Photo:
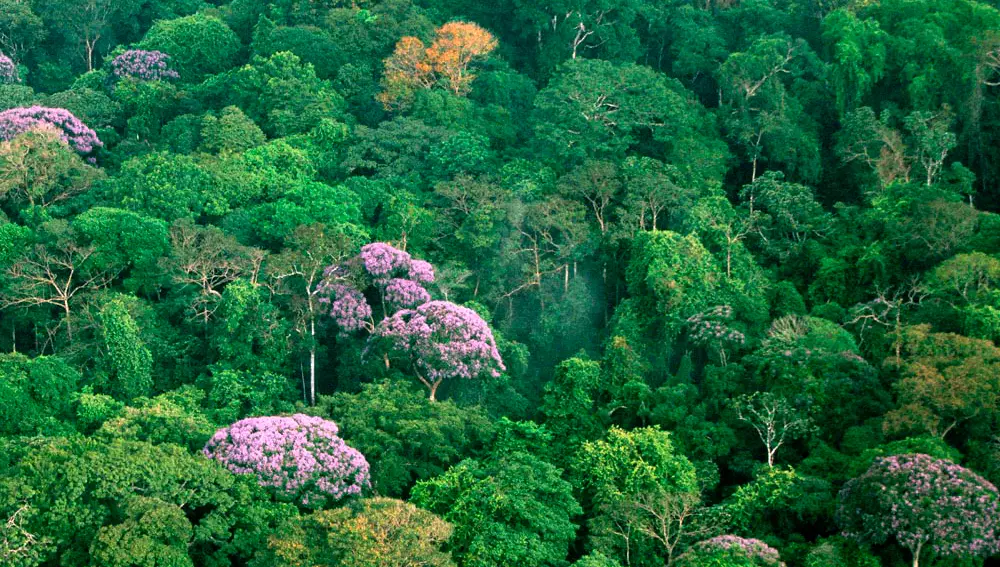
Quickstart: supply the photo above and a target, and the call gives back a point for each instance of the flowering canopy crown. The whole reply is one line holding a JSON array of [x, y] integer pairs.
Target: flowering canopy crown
[[299, 457], [16, 121], [143, 65]]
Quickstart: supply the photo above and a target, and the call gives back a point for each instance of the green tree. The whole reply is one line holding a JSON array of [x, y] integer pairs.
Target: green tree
[[511, 509], [374, 532], [415, 439], [231, 131], [126, 360], [199, 45], [629, 479], [35, 394]]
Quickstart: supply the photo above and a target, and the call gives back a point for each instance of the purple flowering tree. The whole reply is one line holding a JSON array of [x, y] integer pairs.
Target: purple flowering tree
[[15, 121], [730, 551], [8, 71], [143, 65], [300, 457], [710, 329], [441, 340], [438, 340], [924, 503]]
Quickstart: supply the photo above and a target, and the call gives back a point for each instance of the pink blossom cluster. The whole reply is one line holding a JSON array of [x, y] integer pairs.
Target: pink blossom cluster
[[421, 271], [348, 307], [143, 65], [16, 121], [8, 71], [383, 269], [405, 294], [922, 502], [710, 327], [381, 261], [443, 340], [300, 457], [753, 551]]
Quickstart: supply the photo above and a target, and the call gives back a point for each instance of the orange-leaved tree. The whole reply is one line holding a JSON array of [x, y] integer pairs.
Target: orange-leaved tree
[[446, 63]]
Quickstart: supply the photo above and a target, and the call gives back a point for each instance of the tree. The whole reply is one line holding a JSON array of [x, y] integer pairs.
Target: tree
[[511, 509], [763, 117], [35, 394], [672, 277], [374, 532], [967, 277], [299, 457], [446, 63], [16, 121], [38, 168], [414, 439], [206, 259], [774, 419], [231, 131], [73, 493], [859, 56], [931, 140], [456, 46], [298, 272], [442, 340], [558, 30], [280, 93], [200, 45], [86, 23], [143, 65], [153, 532], [597, 184], [929, 506], [596, 109], [630, 478], [9, 74], [569, 404], [127, 361], [54, 271], [730, 551], [21, 30], [946, 379], [438, 340], [167, 186]]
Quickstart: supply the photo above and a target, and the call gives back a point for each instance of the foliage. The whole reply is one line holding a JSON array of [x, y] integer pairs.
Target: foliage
[[510, 509], [730, 550], [16, 121], [300, 457], [375, 532], [664, 271], [143, 65], [922, 501]]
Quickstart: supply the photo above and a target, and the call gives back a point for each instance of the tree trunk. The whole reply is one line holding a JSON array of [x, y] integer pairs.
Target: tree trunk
[[312, 364], [434, 388], [916, 555], [69, 324]]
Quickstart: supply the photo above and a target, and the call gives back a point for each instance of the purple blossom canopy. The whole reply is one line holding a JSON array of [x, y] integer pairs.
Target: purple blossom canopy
[[421, 271], [8, 71], [406, 294], [443, 340], [143, 65], [348, 307], [739, 550], [16, 121], [381, 260], [922, 502], [300, 457]]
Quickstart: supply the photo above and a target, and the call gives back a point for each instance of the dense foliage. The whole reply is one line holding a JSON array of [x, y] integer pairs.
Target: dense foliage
[[592, 283]]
